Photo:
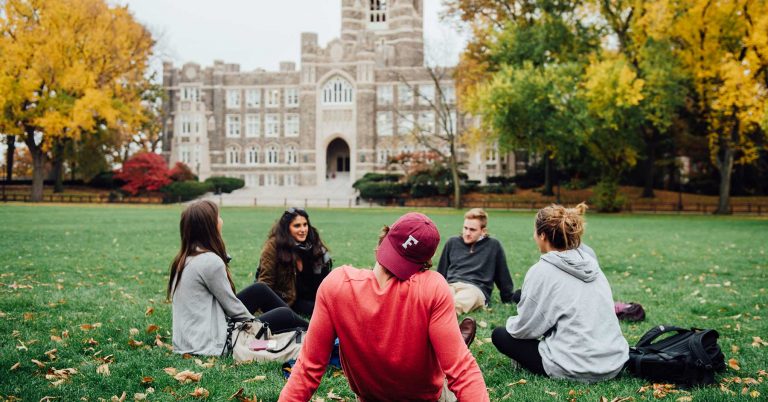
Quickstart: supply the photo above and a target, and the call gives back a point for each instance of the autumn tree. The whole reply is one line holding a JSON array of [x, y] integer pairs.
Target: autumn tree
[[69, 67], [145, 172]]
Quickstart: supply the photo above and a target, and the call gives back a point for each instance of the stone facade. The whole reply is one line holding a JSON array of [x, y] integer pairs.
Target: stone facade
[[349, 107]]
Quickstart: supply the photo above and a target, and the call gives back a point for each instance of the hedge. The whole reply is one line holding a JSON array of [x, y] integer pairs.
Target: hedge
[[225, 184]]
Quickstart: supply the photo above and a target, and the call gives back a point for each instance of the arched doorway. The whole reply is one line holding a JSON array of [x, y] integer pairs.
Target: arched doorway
[[337, 159]]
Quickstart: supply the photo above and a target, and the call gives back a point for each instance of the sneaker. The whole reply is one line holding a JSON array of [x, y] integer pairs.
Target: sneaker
[[468, 328]]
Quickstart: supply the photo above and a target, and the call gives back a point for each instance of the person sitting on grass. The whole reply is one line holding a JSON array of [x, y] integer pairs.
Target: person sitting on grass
[[565, 325], [201, 288], [396, 325], [293, 262]]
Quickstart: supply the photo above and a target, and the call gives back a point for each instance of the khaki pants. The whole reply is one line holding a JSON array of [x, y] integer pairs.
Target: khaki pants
[[445, 396], [466, 297]]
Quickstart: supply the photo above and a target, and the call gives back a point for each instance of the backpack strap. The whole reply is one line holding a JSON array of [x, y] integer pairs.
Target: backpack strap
[[695, 344], [295, 338], [655, 332]]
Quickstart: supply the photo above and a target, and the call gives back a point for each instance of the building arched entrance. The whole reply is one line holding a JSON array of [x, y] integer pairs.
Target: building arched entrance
[[337, 160]]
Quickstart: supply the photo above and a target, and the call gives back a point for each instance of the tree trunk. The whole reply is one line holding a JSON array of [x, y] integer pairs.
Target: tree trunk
[[547, 174], [58, 167], [726, 169], [38, 166], [456, 183], [11, 142], [650, 163]]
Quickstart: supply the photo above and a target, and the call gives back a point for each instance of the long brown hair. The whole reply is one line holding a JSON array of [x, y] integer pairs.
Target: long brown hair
[[284, 242], [199, 234], [561, 226]]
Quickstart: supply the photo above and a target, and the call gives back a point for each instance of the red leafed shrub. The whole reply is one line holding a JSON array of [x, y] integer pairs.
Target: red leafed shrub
[[181, 172], [144, 172]]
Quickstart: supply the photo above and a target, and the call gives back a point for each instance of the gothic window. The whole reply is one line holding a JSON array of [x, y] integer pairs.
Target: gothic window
[[272, 155], [233, 155], [337, 91], [291, 156], [252, 155], [378, 10]]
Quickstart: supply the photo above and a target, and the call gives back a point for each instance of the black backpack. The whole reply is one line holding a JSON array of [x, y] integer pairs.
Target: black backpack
[[689, 357]]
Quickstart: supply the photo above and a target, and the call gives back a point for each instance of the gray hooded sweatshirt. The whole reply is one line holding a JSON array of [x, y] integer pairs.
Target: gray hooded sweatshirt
[[202, 301], [567, 300]]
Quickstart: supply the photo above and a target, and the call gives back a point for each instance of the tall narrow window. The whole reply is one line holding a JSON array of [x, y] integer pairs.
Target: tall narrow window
[[252, 155], [252, 125], [292, 125], [378, 10], [337, 91], [272, 125], [233, 155], [404, 95], [291, 155], [427, 122], [292, 97], [190, 93], [384, 94], [405, 123], [384, 123], [233, 98], [272, 155], [233, 125], [273, 97], [253, 98]]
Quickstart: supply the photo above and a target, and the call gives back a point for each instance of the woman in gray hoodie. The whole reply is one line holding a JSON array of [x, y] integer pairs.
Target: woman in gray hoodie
[[565, 325], [201, 288]]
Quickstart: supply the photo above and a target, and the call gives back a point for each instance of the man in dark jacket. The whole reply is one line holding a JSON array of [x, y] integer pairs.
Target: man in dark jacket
[[473, 262]]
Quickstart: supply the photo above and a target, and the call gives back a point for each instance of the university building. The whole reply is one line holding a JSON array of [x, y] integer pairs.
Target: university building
[[344, 111]]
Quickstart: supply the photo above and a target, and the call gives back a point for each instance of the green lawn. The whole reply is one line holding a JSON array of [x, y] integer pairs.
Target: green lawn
[[62, 267]]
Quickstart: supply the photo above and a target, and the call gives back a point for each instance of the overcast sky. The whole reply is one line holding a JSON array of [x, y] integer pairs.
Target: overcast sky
[[261, 33]]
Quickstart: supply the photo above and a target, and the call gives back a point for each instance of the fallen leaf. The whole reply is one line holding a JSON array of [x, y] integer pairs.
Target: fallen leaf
[[86, 327], [134, 343], [734, 349], [120, 398], [188, 376], [51, 354], [92, 342], [754, 394], [551, 393], [757, 342], [518, 382], [334, 397], [139, 397], [482, 324], [684, 399], [133, 331], [149, 311], [208, 364], [149, 380], [65, 334], [734, 364], [29, 316], [59, 376], [171, 371], [103, 370], [199, 392], [55, 338], [257, 378], [152, 328], [622, 399], [15, 366], [38, 363]]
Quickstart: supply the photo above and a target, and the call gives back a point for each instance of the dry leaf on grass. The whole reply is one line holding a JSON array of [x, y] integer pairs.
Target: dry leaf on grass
[[758, 342], [133, 331], [482, 324], [188, 376], [171, 371], [551, 393], [55, 338], [208, 364], [199, 392], [734, 364], [148, 380], [92, 342], [103, 370], [38, 363], [139, 397], [149, 311], [120, 398], [518, 382], [15, 366], [51, 354], [152, 328], [134, 343], [257, 378], [754, 394], [238, 396], [684, 399], [334, 397], [57, 377]]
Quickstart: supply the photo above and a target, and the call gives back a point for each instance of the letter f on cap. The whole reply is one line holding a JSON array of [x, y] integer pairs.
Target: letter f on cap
[[411, 241]]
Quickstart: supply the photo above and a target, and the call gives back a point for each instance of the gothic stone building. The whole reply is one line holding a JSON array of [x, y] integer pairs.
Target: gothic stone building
[[347, 109]]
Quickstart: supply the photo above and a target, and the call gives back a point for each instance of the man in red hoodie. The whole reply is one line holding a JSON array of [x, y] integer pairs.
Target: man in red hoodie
[[396, 324]]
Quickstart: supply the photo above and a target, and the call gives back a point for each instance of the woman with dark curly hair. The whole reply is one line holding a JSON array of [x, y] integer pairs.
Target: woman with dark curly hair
[[294, 260]]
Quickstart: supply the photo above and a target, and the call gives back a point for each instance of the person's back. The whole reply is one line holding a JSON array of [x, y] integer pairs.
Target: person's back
[[398, 335]]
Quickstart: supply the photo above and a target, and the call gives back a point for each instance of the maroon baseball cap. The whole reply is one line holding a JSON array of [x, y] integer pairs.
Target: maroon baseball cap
[[410, 243]]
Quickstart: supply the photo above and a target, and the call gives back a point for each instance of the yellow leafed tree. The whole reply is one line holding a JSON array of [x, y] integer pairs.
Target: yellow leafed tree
[[724, 47], [69, 67]]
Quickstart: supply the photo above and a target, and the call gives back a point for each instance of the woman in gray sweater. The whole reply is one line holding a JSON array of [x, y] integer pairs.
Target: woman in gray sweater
[[201, 288], [565, 325]]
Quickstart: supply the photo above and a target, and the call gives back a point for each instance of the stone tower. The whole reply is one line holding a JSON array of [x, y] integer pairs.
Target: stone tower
[[394, 27]]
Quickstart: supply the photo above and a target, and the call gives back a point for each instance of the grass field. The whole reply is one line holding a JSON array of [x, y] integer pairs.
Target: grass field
[[78, 279]]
